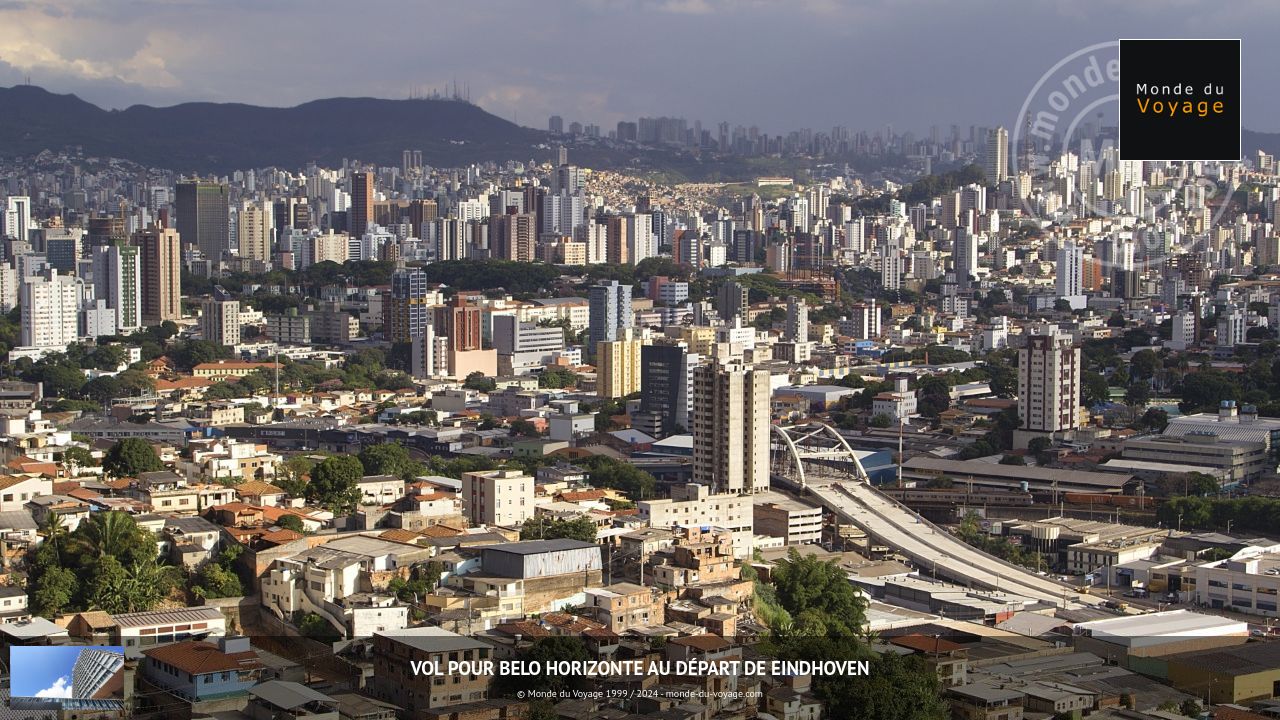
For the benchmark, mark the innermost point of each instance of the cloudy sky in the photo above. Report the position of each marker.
(778, 64)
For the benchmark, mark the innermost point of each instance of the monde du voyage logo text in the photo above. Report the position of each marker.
(1180, 100)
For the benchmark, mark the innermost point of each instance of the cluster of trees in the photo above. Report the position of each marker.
(541, 528)
(971, 532)
(63, 376)
(219, 579)
(517, 278)
(931, 186)
(605, 472)
(108, 563)
(1245, 514)
(825, 619)
(422, 580)
(131, 456)
(334, 484)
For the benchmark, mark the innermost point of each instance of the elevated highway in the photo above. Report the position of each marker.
(816, 461)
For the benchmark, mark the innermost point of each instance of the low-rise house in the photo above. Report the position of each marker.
(380, 489)
(13, 604)
(161, 627)
(280, 699)
(257, 492)
(200, 671)
(16, 490)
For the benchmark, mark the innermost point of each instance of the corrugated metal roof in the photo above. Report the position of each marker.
(167, 617)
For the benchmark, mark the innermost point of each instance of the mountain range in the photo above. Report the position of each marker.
(221, 137)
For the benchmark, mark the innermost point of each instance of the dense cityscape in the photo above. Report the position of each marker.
(937, 430)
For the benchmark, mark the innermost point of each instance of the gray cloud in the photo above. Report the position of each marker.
(773, 63)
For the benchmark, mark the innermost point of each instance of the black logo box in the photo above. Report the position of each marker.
(1189, 65)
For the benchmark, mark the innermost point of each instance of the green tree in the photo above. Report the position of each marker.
(540, 528)
(129, 457)
(479, 381)
(1137, 394)
(292, 474)
(115, 534)
(292, 522)
(524, 428)
(1010, 459)
(806, 583)
(52, 591)
(315, 627)
(77, 458)
(101, 389)
(1093, 389)
(880, 421)
(334, 483)
(386, 459)
(545, 651)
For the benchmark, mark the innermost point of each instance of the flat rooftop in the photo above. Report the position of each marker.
(1161, 627)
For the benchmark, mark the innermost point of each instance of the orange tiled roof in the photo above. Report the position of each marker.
(198, 657)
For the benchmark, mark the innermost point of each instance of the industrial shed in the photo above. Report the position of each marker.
(540, 558)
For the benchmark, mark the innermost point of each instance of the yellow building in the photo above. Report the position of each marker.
(618, 368)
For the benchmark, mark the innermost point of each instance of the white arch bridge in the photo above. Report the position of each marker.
(816, 461)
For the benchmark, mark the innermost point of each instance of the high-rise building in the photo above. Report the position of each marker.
(731, 301)
(1070, 270)
(161, 254)
(1049, 382)
(361, 212)
(514, 236)
(50, 310)
(666, 390)
(966, 256)
(497, 497)
(617, 246)
(220, 318)
(996, 161)
(610, 308)
(17, 217)
(1232, 327)
(731, 427)
(461, 324)
(618, 365)
(254, 226)
(204, 216)
(406, 311)
(796, 328)
(117, 279)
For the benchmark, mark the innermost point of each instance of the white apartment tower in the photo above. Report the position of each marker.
(220, 318)
(1070, 271)
(50, 310)
(797, 325)
(731, 428)
(497, 497)
(996, 160)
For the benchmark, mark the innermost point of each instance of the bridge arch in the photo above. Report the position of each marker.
(818, 443)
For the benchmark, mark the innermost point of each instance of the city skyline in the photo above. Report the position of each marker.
(119, 55)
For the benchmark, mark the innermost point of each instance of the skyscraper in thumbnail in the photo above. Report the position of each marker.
(204, 216)
(731, 427)
(220, 318)
(609, 305)
(996, 160)
(1048, 384)
(361, 212)
(161, 253)
(97, 673)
